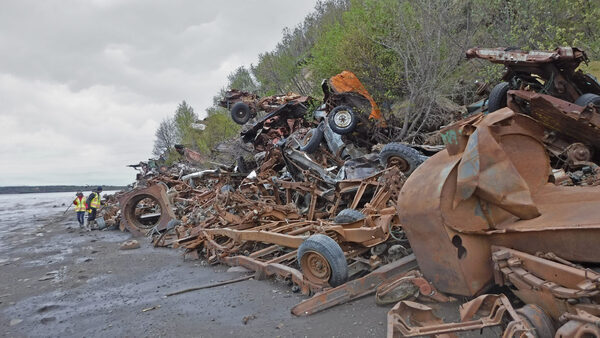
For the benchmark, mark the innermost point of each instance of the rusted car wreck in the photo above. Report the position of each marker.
(493, 206)
(509, 206)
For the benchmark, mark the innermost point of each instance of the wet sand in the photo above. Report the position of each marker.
(60, 282)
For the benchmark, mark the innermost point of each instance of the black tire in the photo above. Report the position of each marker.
(240, 113)
(312, 140)
(588, 98)
(326, 247)
(342, 120)
(406, 158)
(348, 216)
(498, 97)
(538, 319)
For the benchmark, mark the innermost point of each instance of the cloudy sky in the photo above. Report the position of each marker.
(85, 83)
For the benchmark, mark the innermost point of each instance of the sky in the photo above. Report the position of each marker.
(85, 83)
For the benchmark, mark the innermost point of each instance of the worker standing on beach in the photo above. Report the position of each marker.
(93, 203)
(80, 208)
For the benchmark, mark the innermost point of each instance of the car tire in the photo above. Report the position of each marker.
(498, 96)
(312, 140)
(348, 216)
(240, 113)
(588, 98)
(535, 317)
(342, 120)
(323, 250)
(406, 158)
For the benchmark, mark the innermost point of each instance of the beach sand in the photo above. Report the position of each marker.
(56, 281)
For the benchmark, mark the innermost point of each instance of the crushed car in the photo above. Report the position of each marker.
(547, 86)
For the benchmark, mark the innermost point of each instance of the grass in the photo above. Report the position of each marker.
(593, 68)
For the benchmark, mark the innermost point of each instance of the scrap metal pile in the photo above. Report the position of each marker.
(306, 207)
(510, 204)
(304, 230)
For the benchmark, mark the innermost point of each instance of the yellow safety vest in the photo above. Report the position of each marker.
(80, 204)
(95, 201)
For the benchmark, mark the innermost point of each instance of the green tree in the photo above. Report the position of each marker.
(285, 68)
(219, 127)
(241, 79)
(354, 43)
(184, 118)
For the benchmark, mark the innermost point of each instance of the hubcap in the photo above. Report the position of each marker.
(315, 267)
(342, 118)
(399, 162)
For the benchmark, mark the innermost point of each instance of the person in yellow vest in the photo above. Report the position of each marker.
(93, 204)
(80, 208)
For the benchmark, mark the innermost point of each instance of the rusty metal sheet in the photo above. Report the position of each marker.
(508, 56)
(576, 122)
(462, 234)
(129, 201)
(485, 168)
(459, 265)
(347, 82)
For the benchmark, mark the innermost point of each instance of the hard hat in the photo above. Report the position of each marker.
(99, 189)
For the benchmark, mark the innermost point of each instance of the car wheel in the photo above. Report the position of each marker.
(498, 97)
(588, 98)
(240, 113)
(322, 261)
(312, 140)
(342, 120)
(405, 158)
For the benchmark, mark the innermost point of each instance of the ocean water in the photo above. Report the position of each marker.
(29, 211)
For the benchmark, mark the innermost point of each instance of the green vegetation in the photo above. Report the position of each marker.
(184, 128)
(219, 127)
(408, 53)
(593, 68)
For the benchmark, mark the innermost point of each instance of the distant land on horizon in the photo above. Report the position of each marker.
(24, 189)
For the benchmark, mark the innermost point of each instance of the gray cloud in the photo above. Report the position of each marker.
(84, 84)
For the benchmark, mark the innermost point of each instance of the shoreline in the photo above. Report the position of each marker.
(66, 282)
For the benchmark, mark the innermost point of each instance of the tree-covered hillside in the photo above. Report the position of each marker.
(408, 53)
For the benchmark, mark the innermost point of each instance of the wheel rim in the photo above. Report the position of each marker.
(342, 118)
(240, 114)
(401, 163)
(315, 267)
